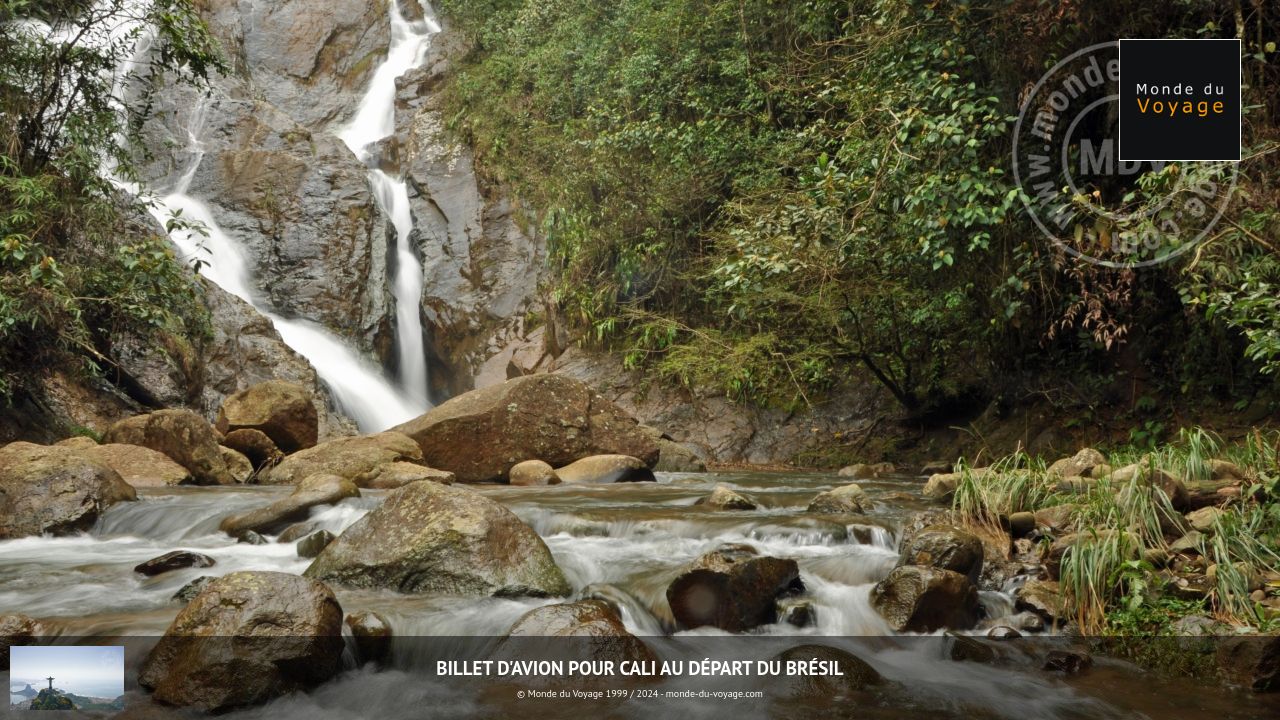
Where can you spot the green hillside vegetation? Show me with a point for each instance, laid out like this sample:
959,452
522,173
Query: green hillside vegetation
766,199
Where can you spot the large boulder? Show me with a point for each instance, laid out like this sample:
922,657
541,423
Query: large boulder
925,599
358,459
139,466
54,490
283,411
1077,465
847,499
947,548
428,537
733,589
604,469
254,445
246,638
481,434
316,490
180,434
532,473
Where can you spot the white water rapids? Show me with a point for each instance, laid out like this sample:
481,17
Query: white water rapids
623,542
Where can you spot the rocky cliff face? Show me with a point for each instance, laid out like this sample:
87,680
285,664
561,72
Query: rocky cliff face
273,173
298,201
261,151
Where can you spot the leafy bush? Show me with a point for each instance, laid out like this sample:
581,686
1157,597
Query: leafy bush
78,263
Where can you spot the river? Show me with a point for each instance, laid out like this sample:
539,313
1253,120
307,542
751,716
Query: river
625,542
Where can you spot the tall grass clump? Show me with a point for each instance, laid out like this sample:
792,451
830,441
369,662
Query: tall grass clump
1260,452
1189,457
1014,483
1122,519
1243,542
1092,574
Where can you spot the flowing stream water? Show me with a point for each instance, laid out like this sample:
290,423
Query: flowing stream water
625,542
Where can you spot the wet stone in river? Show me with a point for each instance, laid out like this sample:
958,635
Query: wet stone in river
174,561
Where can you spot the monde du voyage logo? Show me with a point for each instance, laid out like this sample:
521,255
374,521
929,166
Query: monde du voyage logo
1127,151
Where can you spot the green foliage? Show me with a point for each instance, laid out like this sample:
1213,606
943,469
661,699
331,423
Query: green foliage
76,263
748,197
1144,614
1092,571
1239,283
1190,457
764,199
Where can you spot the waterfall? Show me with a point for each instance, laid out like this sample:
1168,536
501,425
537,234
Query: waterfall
359,387
373,122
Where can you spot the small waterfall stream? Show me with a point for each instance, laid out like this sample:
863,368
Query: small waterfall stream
373,122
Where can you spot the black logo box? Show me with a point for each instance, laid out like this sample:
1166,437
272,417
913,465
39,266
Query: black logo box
1189,64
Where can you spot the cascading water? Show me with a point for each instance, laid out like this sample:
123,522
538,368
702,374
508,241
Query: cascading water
373,122
359,388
